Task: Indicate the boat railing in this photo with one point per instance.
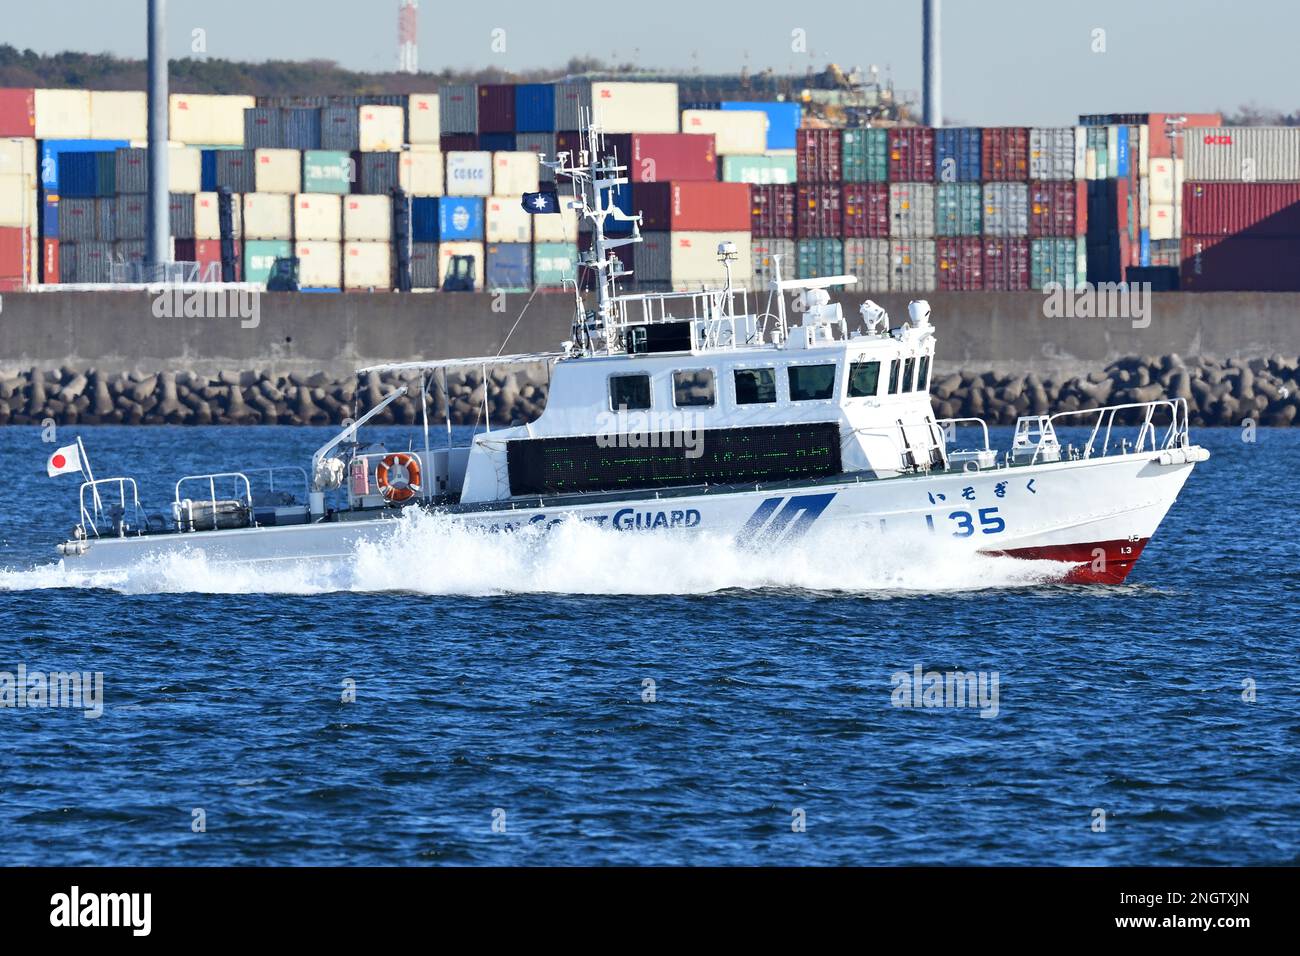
(97, 514)
(299, 481)
(950, 426)
(188, 512)
(1149, 437)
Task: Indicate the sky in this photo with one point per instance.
(1010, 62)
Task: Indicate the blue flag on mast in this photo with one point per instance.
(541, 203)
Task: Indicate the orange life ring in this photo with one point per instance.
(399, 491)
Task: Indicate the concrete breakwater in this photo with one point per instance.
(1227, 392)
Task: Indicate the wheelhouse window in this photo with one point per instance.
(864, 377)
(629, 391)
(893, 377)
(811, 383)
(693, 388)
(923, 374)
(909, 367)
(755, 386)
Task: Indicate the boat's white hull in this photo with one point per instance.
(1094, 515)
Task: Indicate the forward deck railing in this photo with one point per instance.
(1149, 433)
(92, 517)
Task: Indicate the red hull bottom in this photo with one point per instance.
(1099, 562)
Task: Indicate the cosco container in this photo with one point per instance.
(734, 133)
(959, 264)
(554, 263)
(535, 108)
(865, 155)
(367, 266)
(765, 254)
(911, 154)
(911, 210)
(1242, 154)
(693, 207)
(1052, 153)
(758, 170)
(773, 211)
(818, 156)
(816, 258)
(268, 216)
(460, 219)
(1006, 265)
(695, 258)
(1006, 209)
(817, 210)
(458, 109)
(958, 209)
(1053, 261)
(865, 210)
(509, 266)
(496, 108)
(783, 120)
(912, 265)
(1057, 208)
(957, 154)
(868, 259)
(260, 256)
(320, 264)
(1005, 154)
(469, 173)
(318, 217)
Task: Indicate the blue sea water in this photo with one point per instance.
(501, 711)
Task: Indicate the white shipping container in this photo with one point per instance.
(737, 132)
(318, 217)
(1112, 152)
(469, 173)
(119, 115)
(911, 210)
(185, 169)
(1179, 166)
(1006, 209)
(636, 107)
(320, 264)
(62, 114)
(1144, 202)
(1162, 180)
(382, 129)
(1091, 170)
(368, 218)
(556, 227)
(419, 171)
(1235, 154)
(1081, 153)
(693, 258)
(208, 120)
(267, 216)
(868, 259)
(278, 171)
(1051, 152)
(422, 125)
(17, 193)
(207, 216)
(506, 221)
(448, 249)
(1162, 221)
(514, 174)
(912, 265)
(367, 265)
(18, 155)
(1144, 150)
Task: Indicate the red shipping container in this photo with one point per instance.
(49, 260)
(1006, 265)
(13, 252)
(1260, 209)
(1053, 209)
(959, 263)
(817, 156)
(1240, 263)
(1004, 154)
(866, 210)
(461, 142)
(911, 154)
(666, 157)
(496, 108)
(1159, 145)
(773, 211)
(693, 207)
(17, 112)
(817, 213)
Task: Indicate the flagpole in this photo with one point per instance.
(85, 470)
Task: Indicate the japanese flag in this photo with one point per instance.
(64, 460)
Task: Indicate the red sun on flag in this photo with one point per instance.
(58, 461)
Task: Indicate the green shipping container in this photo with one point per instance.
(758, 170)
(327, 171)
(864, 155)
(820, 257)
(1053, 261)
(958, 209)
(260, 255)
(554, 263)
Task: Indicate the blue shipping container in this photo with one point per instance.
(424, 219)
(208, 170)
(497, 142)
(87, 175)
(535, 108)
(1121, 149)
(509, 266)
(50, 217)
(459, 217)
(957, 154)
(1144, 240)
(783, 121)
(51, 149)
(301, 129)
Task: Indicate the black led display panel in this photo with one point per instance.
(543, 466)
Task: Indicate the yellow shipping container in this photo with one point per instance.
(514, 174)
(318, 217)
(208, 120)
(636, 107)
(119, 114)
(18, 155)
(367, 218)
(17, 191)
(207, 216)
(62, 114)
(381, 129)
(448, 249)
(694, 258)
(278, 171)
(506, 221)
(419, 171)
(267, 216)
(367, 265)
(422, 119)
(185, 169)
(736, 132)
(320, 264)
(556, 227)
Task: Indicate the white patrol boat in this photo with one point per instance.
(687, 412)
